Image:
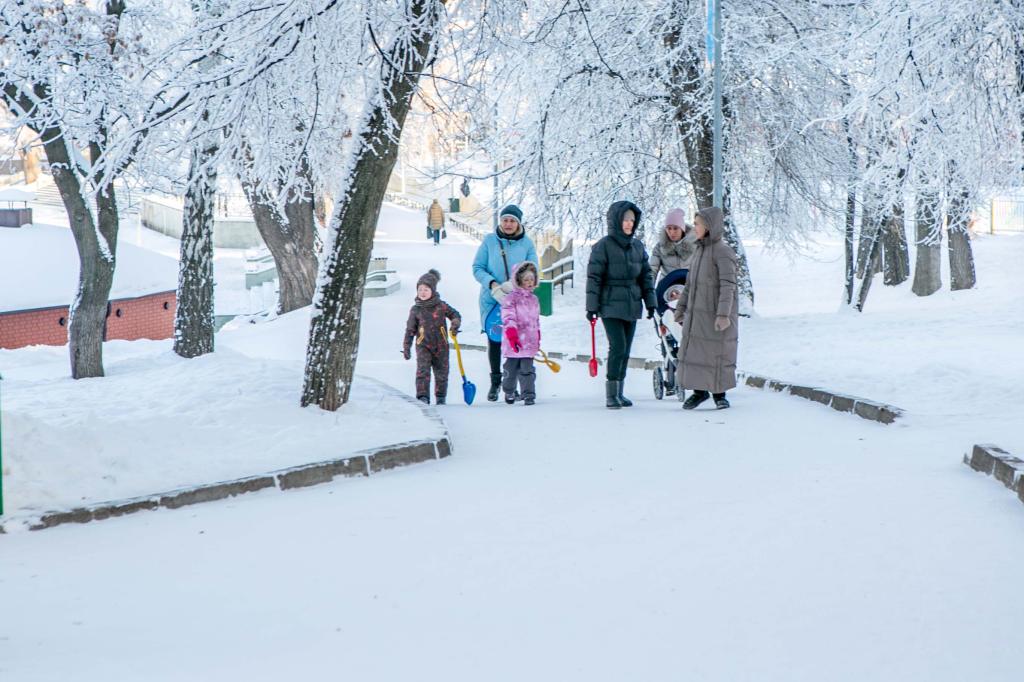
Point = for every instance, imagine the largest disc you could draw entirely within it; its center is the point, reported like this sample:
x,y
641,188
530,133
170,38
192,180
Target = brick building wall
x,y
145,317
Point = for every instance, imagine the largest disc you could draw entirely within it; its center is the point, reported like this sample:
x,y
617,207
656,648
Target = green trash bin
x,y
545,294
453,205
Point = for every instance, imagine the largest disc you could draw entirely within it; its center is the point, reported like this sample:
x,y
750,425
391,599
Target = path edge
x,y
362,463
864,408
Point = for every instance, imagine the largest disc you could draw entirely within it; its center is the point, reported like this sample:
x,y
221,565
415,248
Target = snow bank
x,y
158,422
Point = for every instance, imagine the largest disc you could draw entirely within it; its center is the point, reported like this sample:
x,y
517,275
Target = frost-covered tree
x,y
337,306
75,73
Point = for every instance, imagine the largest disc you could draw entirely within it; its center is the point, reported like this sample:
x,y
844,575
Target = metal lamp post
x,y
716,65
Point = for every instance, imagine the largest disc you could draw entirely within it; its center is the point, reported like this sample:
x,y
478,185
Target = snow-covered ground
x,y
158,422
954,360
778,540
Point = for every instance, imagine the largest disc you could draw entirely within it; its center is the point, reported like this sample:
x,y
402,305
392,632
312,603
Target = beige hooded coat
x,y
707,358
435,216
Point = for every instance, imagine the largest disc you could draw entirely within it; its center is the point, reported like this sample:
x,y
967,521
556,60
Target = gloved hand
x,y
722,323
650,313
406,353
500,291
453,329
512,334
591,315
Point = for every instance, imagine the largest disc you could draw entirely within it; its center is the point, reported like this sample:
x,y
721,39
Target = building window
x,y
62,321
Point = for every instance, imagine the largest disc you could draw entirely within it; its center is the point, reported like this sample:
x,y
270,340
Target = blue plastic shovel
x,y
468,387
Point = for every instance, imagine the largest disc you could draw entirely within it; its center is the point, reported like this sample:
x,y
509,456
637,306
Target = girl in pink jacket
x,y
520,318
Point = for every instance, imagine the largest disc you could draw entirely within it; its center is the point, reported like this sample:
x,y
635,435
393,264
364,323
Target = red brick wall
x,y
145,317
41,326
142,318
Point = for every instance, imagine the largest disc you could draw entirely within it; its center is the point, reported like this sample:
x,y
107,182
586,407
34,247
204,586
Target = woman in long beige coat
x,y
708,315
435,221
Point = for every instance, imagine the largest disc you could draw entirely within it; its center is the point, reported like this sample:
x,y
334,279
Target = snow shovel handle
x,y
458,355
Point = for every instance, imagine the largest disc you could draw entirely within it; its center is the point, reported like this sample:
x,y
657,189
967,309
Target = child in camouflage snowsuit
x,y
426,326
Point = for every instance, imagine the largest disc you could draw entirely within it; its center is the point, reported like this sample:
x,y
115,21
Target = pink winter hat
x,y
676,217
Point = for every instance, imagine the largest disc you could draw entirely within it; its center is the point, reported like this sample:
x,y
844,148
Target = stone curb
x,y
993,461
860,407
359,464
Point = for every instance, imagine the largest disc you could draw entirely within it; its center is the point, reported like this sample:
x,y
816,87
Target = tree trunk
x,y
961,255
870,248
97,247
928,234
874,246
291,239
850,240
851,206
337,307
868,262
194,317
895,251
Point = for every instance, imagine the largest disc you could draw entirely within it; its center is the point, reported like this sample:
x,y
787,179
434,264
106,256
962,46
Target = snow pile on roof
x,y
39,269
12,194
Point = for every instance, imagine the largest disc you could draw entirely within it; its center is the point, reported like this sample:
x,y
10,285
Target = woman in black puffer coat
x,y
619,286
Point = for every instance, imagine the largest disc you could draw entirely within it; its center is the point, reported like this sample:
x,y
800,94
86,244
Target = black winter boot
x,y
611,394
492,393
695,399
721,402
623,400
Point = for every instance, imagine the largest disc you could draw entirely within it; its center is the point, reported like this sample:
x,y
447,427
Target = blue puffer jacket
x,y
488,265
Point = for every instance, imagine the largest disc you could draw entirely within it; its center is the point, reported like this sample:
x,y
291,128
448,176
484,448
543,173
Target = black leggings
x,y
620,340
494,357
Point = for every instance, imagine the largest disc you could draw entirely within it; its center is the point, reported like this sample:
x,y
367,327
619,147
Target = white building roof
x,y
39,269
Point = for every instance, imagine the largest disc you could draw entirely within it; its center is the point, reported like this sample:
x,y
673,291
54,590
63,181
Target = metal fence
x,y
1006,215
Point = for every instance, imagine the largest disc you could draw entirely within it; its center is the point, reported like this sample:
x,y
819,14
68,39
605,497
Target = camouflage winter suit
x,y
426,325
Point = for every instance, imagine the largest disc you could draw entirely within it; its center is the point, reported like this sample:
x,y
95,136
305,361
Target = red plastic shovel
x,y
593,348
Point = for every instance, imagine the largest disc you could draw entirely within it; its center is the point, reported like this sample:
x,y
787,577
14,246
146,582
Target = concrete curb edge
x,y
859,407
362,463
993,461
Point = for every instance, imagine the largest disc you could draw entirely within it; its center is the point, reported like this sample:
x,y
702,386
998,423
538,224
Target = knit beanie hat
x,y
512,211
430,278
676,217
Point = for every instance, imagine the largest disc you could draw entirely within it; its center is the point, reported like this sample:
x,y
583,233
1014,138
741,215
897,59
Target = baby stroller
x,y
664,379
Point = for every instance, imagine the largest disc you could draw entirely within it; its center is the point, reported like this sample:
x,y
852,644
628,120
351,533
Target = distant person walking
x,y
708,313
492,268
619,285
435,221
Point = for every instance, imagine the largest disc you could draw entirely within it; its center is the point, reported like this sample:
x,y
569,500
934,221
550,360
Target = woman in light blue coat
x,y
493,266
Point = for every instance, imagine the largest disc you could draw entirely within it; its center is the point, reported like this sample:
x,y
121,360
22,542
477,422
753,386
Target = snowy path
x,y
775,541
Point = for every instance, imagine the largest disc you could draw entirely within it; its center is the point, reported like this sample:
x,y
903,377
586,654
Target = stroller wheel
x,y
659,386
